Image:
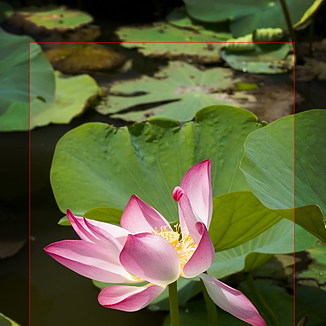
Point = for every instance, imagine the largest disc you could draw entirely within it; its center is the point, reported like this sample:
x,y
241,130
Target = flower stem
x,y
265,307
288,20
174,307
210,307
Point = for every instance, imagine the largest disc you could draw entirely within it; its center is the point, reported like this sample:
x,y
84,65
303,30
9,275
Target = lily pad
x,y
263,58
216,11
317,268
248,15
78,58
148,159
285,165
163,40
185,87
51,18
71,99
17,53
179,18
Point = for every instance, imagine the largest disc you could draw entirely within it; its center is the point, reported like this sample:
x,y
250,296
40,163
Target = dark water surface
x,y
59,296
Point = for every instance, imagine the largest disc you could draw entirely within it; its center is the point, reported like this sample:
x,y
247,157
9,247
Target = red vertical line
x,y
294,182
29,193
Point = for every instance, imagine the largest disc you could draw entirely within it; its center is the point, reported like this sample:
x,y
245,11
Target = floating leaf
x,y
279,239
179,18
52,18
285,165
170,36
71,98
89,57
17,53
263,58
317,268
248,15
216,11
188,87
148,159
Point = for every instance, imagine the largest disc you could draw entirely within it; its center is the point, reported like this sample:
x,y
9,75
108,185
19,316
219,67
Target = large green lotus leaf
x,y
309,217
285,165
179,18
25,75
98,165
147,40
309,302
102,214
263,59
53,18
282,238
240,216
5,321
186,87
71,98
248,15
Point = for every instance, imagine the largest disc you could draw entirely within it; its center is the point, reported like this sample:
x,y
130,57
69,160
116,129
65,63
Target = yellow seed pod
x,y
267,34
240,44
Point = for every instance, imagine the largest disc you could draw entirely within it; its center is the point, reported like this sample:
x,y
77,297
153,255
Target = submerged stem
x,y
210,307
265,307
173,301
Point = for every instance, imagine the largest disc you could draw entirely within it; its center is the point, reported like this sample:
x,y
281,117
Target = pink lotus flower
x,y
147,249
